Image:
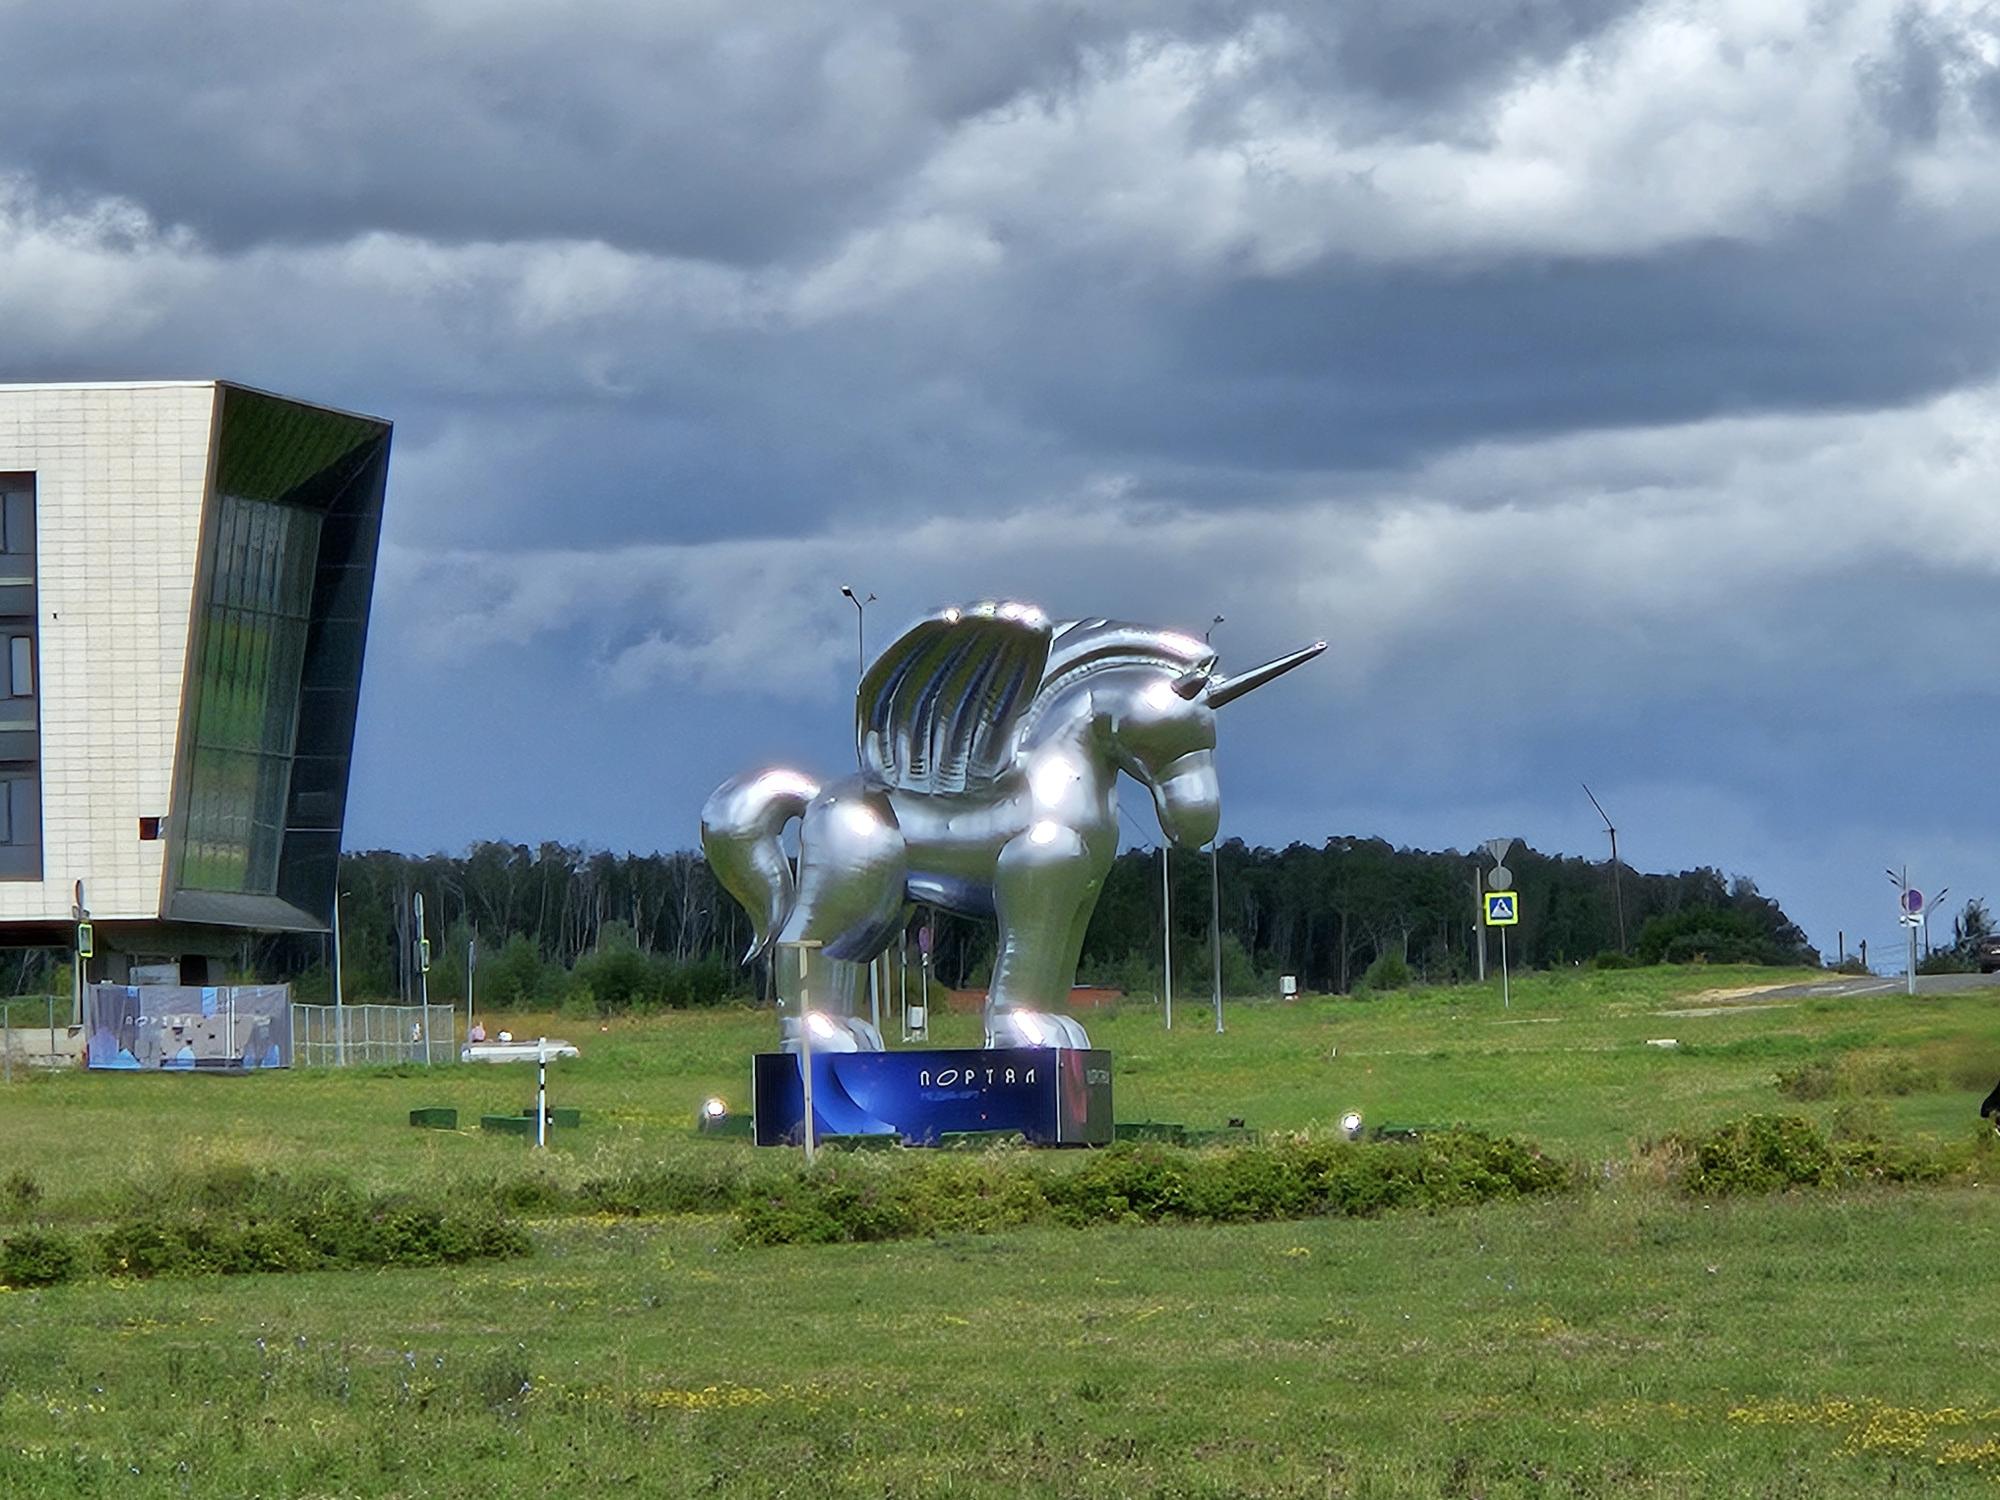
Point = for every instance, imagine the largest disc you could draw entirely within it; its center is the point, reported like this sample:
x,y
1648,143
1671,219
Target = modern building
x,y
185,574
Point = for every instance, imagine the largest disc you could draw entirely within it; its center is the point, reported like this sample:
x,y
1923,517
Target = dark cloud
x,y
1550,355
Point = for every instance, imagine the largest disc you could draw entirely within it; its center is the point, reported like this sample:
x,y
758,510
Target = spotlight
x,y
820,1025
1031,1027
714,1109
1350,1124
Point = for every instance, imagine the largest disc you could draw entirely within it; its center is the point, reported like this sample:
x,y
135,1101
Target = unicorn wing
x,y
937,711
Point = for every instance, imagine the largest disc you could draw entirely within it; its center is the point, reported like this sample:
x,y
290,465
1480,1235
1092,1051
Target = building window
x,y
246,694
20,666
17,521
20,720
20,810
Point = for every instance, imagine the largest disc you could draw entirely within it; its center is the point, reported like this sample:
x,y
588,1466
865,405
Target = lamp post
x,y
1215,895
860,630
875,965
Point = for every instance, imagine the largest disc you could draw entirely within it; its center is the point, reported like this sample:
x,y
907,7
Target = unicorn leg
x,y
1044,889
852,869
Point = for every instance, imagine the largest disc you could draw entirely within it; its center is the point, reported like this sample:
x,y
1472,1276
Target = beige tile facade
x,y
120,474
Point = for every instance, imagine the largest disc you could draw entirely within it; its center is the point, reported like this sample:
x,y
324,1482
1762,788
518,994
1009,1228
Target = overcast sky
x,y
1614,385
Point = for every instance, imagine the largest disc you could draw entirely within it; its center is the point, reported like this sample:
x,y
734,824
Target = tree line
x,y
560,924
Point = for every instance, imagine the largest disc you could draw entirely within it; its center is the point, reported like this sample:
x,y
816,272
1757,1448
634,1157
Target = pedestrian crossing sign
x,y
1503,909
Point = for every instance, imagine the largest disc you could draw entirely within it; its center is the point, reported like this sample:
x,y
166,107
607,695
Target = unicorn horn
x,y
1223,690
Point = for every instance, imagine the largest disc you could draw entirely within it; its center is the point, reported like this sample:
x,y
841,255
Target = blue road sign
x,y
1502,909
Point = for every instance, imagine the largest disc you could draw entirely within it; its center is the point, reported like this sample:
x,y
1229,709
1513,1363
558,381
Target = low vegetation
x,y
1749,1262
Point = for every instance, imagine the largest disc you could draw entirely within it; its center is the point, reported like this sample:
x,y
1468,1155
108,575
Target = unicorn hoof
x,y
1034,1028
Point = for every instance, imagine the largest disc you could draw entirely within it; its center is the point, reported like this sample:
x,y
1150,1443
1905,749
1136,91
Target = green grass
x,y
1625,1340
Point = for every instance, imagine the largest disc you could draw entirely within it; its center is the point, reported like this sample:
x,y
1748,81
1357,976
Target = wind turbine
x,y
1617,891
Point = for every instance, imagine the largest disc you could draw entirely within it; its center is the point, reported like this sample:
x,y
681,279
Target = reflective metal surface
x,y
991,741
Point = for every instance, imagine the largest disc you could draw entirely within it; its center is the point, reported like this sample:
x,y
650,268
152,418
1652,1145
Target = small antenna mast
x,y
1617,891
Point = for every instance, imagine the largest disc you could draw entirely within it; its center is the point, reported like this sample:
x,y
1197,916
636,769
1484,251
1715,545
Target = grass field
x,y
1626,1339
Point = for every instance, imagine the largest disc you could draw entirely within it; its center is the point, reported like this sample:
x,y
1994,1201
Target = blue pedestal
x,y
1052,1096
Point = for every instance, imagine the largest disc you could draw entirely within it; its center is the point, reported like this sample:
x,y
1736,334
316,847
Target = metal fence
x,y
36,1032
334,1036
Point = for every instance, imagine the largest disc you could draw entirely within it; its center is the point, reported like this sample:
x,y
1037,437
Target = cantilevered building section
x,y
185,573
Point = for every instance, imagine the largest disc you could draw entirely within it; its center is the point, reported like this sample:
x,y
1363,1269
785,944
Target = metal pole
x,y
1506,1001
423,978
81,912
1618,891
542,1092
1215,928
1166,938
471,961
1479,919
1912,974
805,1052
339,993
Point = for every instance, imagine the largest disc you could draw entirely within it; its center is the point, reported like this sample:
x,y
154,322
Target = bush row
x,y
874,1197
1769,1153
341,1231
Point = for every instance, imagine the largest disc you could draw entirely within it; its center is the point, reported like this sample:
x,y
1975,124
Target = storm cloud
x,y
1614,384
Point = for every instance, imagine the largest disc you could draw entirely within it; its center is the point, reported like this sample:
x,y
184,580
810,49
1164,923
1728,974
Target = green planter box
x,y
508,1124
435,1119
1151,1130
568,1119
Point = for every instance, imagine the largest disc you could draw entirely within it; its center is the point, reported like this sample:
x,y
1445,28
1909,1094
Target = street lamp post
x,y
876,964
1215,896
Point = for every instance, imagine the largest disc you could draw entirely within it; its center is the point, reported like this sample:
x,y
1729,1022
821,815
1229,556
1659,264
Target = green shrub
x,y
1856,1074
899,1196
1611,958
1768,1153
1759,1154
39,1257
1388,972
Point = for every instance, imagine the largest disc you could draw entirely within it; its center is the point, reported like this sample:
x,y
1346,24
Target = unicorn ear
x,y
1228,689
1192,683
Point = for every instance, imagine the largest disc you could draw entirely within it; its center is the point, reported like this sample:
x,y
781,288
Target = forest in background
x,y
593,930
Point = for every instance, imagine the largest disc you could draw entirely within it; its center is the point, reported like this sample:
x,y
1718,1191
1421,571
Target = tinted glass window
x,y
246,694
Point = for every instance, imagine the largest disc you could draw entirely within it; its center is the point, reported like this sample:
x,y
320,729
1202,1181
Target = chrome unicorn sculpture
x,y
990,743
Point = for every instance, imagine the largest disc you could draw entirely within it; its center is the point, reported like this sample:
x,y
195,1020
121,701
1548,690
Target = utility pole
x,y
1617,891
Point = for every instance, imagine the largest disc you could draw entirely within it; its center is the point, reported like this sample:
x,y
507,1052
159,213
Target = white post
x,y
542,1091
1166,938
1215,928
806,1052
339,996
1505,1002
471,961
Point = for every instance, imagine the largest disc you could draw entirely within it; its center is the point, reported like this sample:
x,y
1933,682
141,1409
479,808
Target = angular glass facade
x,y
245,694
289,537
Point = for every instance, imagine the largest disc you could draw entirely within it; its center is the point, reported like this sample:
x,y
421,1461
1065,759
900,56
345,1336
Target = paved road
x,y
1927,984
